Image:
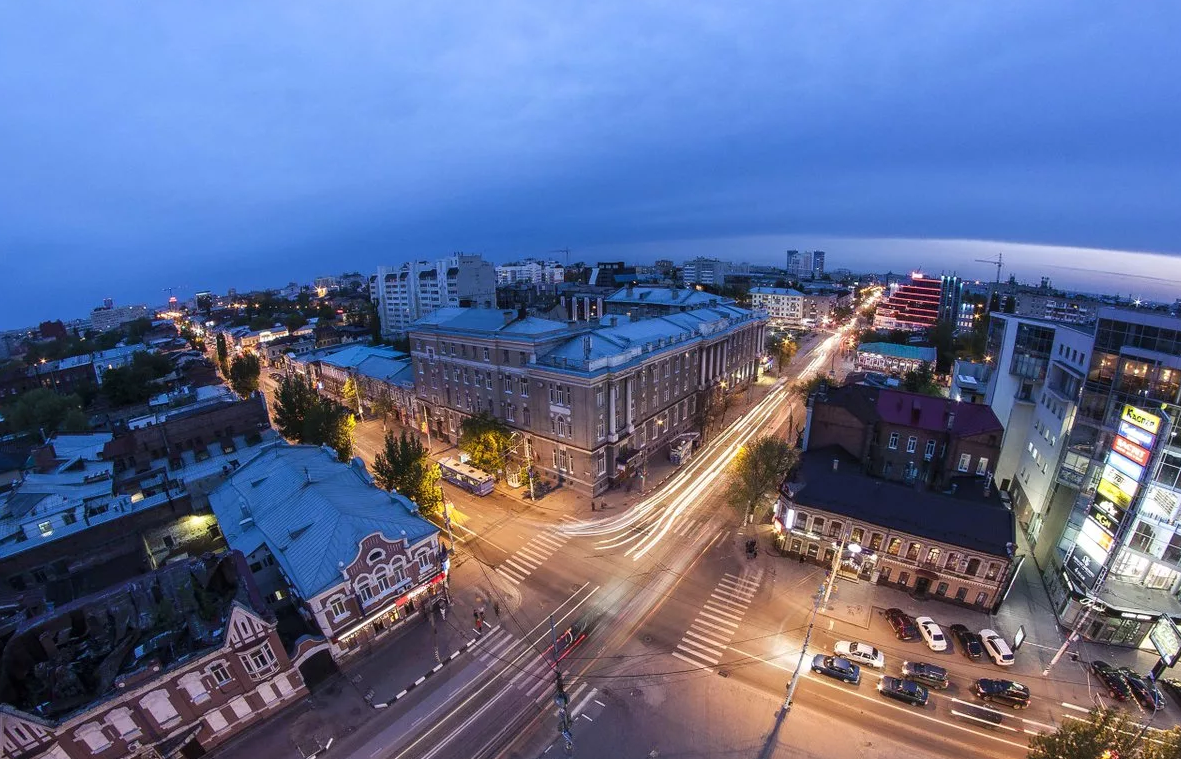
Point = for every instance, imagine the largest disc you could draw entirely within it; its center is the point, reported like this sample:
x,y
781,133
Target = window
x,y
894,547
857,535
834,529
525,414
893,445
933,557
260,658
424,560
383,580
399,575
375,556
911,443
981,599
965,462
929,451
982,466
912,552
366,592
941,589
488,381
601,462
1142,539
600,399
600,430
485,354
523,387
884,575
46,529
973,566
818,525
903,578
961,593
1160,577
994,569
220,674
875,541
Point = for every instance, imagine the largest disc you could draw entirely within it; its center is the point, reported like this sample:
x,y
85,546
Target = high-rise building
x,y
109,316
806,265
951,297
1116,499
705,271
817,264
914,306
540,273
418,288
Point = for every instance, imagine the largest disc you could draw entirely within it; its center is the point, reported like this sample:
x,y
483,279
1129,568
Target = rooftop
x,y
491,321
311,512
967,517
906,409
775,291
894,350
668,296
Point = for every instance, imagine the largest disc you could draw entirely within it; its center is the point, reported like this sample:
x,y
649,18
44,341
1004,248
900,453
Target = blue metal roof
x,y
894,350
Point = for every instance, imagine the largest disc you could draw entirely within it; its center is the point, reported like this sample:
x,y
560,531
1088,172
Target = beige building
x,y
594,400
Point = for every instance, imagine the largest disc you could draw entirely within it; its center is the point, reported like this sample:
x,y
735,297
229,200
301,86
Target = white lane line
x,y
510,575
710,650
719,628
719,620
696,664
691,652
724,612
1082,709
1039,724
722,599
725,587
582,704
516,569
710,638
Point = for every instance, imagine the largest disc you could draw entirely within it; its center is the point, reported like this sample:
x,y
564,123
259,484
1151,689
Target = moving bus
x,y
466,476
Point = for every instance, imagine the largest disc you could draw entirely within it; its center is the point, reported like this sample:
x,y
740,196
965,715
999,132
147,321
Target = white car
x,y
931,633
860,653
996,648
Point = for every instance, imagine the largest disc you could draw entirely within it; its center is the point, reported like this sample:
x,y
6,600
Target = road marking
x,y
728,586
711,650
522,563
533,554
509,575
720,620
551,541
722,599
724,612
578,709
1076,708
691,652
694,632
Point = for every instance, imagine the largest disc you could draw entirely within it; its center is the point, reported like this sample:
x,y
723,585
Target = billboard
x,y
1125,447
1150,423
1135,434
1166,639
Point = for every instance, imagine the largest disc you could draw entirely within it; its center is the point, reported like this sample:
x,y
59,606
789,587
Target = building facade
x,y
539,273
593,400
109,316
415,289
892,358
354,560
196,654
706,271
913,306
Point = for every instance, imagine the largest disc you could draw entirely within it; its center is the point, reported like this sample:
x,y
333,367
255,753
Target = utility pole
x,y
529,469
795,676
1090,604
561,699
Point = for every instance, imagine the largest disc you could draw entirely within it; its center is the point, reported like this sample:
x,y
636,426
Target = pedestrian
x,y
496,608
592,505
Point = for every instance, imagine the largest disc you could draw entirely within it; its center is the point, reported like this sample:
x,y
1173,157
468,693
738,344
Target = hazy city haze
x,y
203,147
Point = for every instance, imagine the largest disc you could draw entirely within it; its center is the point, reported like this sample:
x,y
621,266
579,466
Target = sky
x,y
207,146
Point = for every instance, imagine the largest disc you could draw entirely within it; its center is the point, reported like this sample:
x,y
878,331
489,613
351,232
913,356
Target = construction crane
x,y
566,251
998,263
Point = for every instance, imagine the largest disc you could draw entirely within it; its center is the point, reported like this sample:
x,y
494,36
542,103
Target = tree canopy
x,y
783,350
135,383
922,380
302,415
805,386
223,354
757,471
404,466
486,440
244,372
42,409
1106,734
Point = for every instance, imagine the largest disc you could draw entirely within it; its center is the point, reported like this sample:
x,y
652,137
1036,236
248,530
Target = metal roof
x,y
894,350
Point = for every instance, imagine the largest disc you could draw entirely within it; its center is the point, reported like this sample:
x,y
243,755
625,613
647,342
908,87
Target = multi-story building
x,y
1036,370
913,306
909,437
169,664
1117,498
806,265
594,400
638,302
417,288
539,273
378,372
706,271
109,316
955,546
782,305
892,358
76,373
951,299
354,560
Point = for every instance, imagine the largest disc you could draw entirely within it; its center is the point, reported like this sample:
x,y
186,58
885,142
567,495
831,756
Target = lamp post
x,y
854,548
426,423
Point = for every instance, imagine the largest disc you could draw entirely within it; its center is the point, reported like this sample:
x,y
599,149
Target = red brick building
x,y
908,437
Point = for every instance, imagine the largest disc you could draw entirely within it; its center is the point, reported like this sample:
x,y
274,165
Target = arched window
x,y
375,556
383,579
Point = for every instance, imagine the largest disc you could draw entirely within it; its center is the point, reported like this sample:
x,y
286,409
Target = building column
x,y
611,409
630,402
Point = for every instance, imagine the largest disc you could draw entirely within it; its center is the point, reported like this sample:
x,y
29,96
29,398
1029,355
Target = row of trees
x,y
303,415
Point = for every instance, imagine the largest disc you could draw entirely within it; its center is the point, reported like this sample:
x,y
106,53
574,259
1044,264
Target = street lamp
x,y
854,549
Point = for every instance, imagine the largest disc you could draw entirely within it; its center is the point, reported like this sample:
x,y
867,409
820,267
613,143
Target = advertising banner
x,y
1150,423
1136,435
1125,447
1125,465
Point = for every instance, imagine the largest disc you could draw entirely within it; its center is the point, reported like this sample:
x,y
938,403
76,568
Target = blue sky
x,y
206,146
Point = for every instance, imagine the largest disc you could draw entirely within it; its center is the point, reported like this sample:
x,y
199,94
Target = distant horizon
x,y
1141,276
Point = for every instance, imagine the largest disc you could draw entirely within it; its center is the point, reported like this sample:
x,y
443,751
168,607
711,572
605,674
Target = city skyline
x,y
216,152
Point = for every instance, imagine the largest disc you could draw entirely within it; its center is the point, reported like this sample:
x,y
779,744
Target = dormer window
x,y
375,556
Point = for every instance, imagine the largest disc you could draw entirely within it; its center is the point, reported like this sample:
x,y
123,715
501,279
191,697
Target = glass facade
x,y
1031,351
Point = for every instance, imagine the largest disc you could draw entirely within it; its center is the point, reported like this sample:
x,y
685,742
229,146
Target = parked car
x,y
996,648
1172,687
902,624
969,642
1146,693
1112,679
932,634
862,653
903,690
837,667
927,674
1004,692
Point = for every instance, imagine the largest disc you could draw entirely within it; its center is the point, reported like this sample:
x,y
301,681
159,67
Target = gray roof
x,y
311,512
775,291
489,320
684,296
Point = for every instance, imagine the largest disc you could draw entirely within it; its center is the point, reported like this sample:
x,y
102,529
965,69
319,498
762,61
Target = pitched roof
x,y
312,513
929,413
681,296
966,518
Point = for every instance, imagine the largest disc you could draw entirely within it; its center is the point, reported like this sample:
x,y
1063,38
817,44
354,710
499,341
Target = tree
x,y
757,471
1108,733
942,337
305,417
922,380
41,409
403,465
223,354
244,372
135,383
351,394
486,440
381,406
783,350
804,387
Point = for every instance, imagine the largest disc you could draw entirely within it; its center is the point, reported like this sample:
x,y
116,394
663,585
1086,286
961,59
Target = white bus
x,y
464,475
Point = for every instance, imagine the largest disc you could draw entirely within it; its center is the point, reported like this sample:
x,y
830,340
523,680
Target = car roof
x,y
922,666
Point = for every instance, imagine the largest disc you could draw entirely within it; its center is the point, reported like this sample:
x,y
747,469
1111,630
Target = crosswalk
x,y
529,557
689,528
531,673
704,643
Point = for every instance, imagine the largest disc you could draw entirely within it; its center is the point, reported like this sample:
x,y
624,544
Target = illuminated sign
x,y
1136,435
1101,540
1166,639
1125,447
1162,503
1120,481
1150,423
1109,523
1125,465
1082,567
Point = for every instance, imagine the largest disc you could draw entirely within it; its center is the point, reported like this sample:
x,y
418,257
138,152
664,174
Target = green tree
x,y
41,409
942,337
136,382
136,329
381,407
295,321
783,350
302,415
757,471
223,354
404,466
486,440
1108,733
350,394
922,380
805,386
244,373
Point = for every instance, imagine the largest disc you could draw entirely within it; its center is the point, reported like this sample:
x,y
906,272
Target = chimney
x,y
307,475
836,464
509,316
522,312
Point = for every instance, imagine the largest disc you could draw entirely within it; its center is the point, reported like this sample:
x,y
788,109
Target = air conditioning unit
x,y
133,746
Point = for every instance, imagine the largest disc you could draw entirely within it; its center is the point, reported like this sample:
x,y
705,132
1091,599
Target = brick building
x,y
171,664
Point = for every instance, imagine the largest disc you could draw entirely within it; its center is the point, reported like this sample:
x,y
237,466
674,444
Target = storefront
x,y
1112,619
392,615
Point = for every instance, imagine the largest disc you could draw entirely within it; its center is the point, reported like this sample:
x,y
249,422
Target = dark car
x,y
927,674
1112,679
569,639
1004,692
902,624
969,642
837,667
903,690
1145,692
1172,687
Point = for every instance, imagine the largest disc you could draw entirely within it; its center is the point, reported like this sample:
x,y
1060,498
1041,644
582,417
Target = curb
x,y
454,655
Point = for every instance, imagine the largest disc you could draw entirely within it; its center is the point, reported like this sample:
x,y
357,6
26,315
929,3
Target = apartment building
x,y
109,316
1036,371
354,560
532,272
417,288
170,664
709,271
806,265
595,399
954,546
1117,498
